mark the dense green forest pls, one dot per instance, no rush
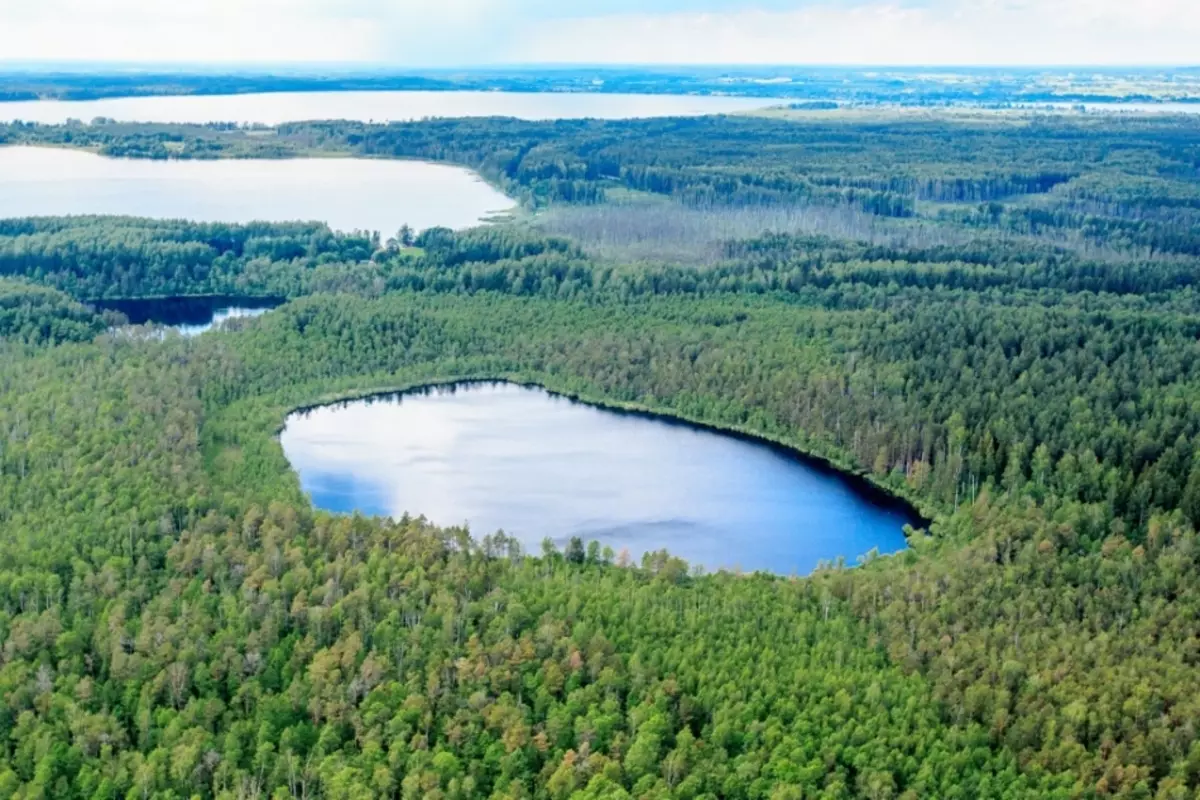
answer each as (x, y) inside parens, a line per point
(37, 314)
(94, 258)
(177, 621)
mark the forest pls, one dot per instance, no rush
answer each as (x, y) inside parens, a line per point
(998, 324)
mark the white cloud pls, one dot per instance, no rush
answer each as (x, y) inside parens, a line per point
(402, 31)
(209, 30)
(1044, 32)
(432, 32)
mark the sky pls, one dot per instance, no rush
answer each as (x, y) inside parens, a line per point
(439, 33)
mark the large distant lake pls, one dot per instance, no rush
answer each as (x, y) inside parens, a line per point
(501, 456)
(349, 194)
(274, 108)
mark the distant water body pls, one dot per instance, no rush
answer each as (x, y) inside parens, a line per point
(501, 456)
(275, 108)
(347, 193)
(191, 316)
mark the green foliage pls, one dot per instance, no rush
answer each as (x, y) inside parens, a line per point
(37, 314)
(176, 621)
(115, 257)
(277, 622)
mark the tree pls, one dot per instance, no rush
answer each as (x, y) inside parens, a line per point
(576, 554)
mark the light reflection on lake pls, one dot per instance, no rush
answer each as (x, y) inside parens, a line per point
(347, 193)
(500, 456)
(272, 108)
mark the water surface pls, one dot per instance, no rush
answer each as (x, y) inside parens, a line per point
(273, 108)
(348, 193)
(500, 456)
(191, 316)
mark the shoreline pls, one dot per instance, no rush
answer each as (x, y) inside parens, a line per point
(920, 515)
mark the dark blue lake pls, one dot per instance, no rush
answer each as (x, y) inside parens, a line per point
(191, 316)
(500, 456)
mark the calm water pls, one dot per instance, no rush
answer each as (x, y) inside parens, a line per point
(274, 108)
(499, 456)
(347, 193)
(191, 316)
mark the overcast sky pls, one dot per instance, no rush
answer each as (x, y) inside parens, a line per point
(416, 33)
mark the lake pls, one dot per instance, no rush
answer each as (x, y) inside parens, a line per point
(276, 107)
(191, 316)
(501, 456)
(348, 193)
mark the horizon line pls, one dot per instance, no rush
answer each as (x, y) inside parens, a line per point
(379, 66)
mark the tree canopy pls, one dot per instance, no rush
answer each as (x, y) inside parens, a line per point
(177, 621)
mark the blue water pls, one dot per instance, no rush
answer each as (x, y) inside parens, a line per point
(191, 316)
(276, 107)
(500, 456)
(347, 193)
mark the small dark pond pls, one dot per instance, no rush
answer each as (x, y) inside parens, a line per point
(190, 316)
(502, 456)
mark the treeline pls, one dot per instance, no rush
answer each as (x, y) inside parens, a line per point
(777, 262)
(502, 260)
(39, 315)
(887, 168)
(114, 257)
(151, 141)
(1145, 232)
(94, 258)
